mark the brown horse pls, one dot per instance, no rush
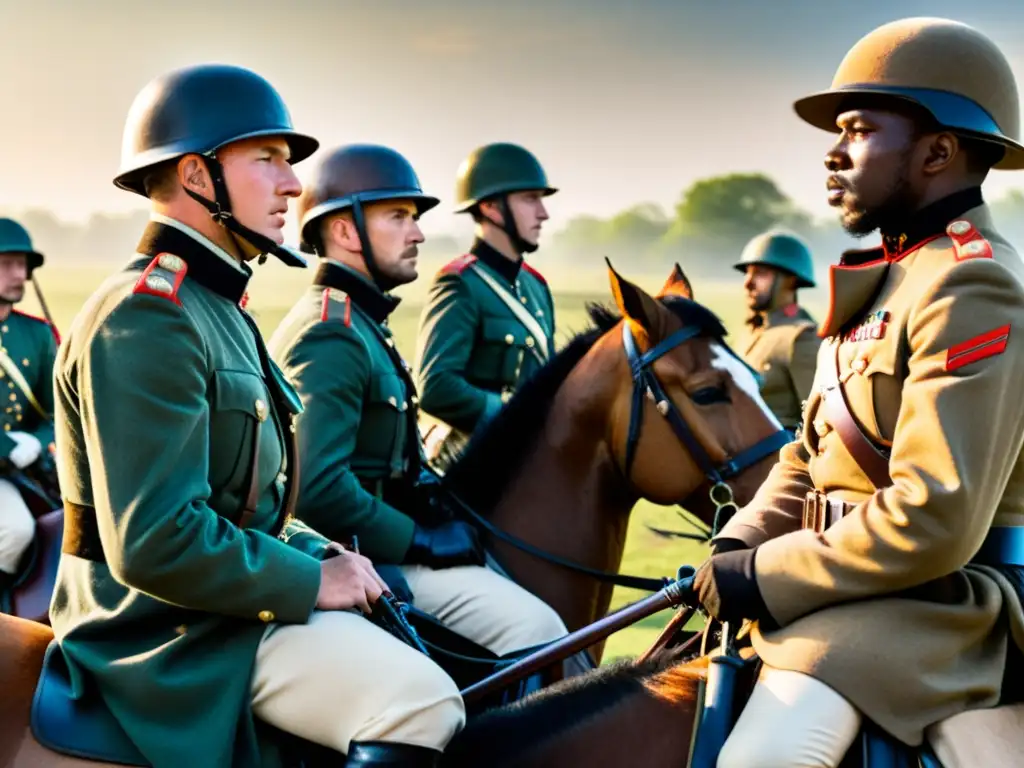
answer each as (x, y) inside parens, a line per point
(554, 468)
(563, 464)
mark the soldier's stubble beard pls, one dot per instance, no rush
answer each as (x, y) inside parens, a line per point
(891, 215)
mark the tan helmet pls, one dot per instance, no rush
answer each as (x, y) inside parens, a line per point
(950, 69)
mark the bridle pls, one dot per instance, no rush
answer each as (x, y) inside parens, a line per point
(647, 386)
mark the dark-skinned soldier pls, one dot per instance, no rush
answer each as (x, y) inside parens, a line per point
(489, 320)
(187, 596)
(882, 558)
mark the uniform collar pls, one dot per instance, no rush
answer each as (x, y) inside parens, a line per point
(208, 264)
(490, 256)
(929, 222)
(367, 296)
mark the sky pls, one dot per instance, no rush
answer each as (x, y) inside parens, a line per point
(623, 101)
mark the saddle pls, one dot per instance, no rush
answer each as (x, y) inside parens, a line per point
(85, 728)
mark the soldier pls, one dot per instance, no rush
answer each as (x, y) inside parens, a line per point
(28, 346)
(893, 597)
(187, 597)
(489, 321)
(359, 445)
(783, 340)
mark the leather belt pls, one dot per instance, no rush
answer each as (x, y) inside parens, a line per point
(1003, 545)
(82, 533)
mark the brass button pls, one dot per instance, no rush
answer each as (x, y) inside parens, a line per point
(540, 313)
(529, 341)
(393, 401)
(266, 616)
(261, 409)
(18, 417)
(766, 367)
(24, 361)
(509, 339)
(13, 397)
(4, 329)
(522, 299)
(180, 630)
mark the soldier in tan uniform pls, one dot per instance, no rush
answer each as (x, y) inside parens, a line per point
(882, 558)
(783, 342)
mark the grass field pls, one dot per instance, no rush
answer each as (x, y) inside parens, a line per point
(275, 288)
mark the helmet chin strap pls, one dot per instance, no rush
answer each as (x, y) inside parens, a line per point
(383, 282)
(220, 210)
(510, 228)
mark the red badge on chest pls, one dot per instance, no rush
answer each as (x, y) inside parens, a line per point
(871, 327)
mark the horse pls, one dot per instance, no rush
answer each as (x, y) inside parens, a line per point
(647, 403)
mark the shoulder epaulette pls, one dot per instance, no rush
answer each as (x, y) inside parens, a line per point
(459, 265)
(43, 320)
(534, 272)
(336, 305)
(968, 242)
(163, 277)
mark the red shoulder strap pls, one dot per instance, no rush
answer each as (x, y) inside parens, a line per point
(43, 320)
(459, 265)
(163, 277)
(534, 272)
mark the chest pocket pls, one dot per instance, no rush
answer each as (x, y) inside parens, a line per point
(498, 355)
(240, 406)
(873, 382)
(382, 428)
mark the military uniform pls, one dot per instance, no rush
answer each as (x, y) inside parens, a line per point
(885, 546)
(28, 346)
(474, 350)
(186, 595)
(489, 321)
(783, 350)
(359, 441)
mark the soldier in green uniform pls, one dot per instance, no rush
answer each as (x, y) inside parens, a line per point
(783, 342)
(187, 596)
(359, 443)
(28, 346)
(489, 321)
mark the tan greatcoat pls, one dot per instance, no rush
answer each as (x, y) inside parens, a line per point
(783, 350)
(941, 384)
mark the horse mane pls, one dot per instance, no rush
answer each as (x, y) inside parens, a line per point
(496, 451)
(570, 703)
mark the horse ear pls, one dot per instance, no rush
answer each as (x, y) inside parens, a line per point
(633, 302)
(677, 285)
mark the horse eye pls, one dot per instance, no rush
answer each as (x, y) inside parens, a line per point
(710, 396)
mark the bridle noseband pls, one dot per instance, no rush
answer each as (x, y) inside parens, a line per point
(646, 385)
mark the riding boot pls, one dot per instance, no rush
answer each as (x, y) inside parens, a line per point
(370, 754)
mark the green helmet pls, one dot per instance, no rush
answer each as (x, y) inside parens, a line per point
(781, 250)
(199, 110)
(497, 169)
(14, 238)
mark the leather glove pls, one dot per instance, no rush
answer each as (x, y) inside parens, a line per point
(727, 588)
(26, 451)
(450, 544)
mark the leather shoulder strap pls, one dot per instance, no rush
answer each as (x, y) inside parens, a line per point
(862, 448)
